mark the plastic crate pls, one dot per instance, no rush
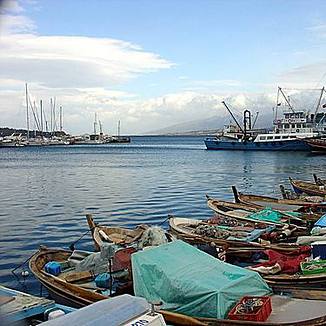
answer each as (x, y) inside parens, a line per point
(319, 249)
(261, 314)
(53, 268)
(319, 267)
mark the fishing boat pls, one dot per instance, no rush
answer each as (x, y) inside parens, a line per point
(21, 308)
(113, 234)
(318, 181)
(232, 234)
(206, 288)
(317, 145)
(74, 288)
(77, 291)
(308, 188)
(267, 215)
(289, 133)
(141, 236)
(281, 204)
(287, 273)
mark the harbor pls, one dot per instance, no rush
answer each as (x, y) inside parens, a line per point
(162, 163)
(57, 216)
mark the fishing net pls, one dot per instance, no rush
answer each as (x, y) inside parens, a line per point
(153, 236)
(98, 262)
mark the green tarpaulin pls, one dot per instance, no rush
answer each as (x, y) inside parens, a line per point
(191, 282)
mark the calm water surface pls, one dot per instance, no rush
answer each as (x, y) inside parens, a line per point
(45, 192)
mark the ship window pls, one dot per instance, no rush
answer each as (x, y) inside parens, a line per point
(262, 137)
(269, 137)
(285, 137)
(277, 137)
(299, 125)
(293, 137)
(287, 125)
(293, 125)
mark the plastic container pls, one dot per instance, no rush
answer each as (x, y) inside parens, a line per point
(53, 268)
(103, 280)
(319, 249)
(258, 315)
(313, 267)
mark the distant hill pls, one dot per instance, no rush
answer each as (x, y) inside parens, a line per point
(208, 125)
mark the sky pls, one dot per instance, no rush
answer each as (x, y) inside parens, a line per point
(152, 64)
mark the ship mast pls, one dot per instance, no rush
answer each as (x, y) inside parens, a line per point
(286, 99)
(318, 104)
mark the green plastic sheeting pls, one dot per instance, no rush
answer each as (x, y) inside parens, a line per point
(191, 282)
(269, 215)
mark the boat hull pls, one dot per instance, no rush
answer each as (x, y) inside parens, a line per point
(292, 145)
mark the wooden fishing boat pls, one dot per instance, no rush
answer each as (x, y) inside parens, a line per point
(245, 212)
(286, 311)
(280, 204)
(78, 295)
(70, 288)
(242, 236)
(308, 188)
(280, 281)
(316, 145)
(113, 234)
(318, 181)
(124, 237)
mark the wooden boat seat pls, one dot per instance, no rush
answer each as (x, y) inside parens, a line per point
(239, 213)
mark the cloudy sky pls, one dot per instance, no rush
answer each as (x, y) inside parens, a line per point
(152, 64)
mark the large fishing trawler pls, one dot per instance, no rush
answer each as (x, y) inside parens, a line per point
(287, 135)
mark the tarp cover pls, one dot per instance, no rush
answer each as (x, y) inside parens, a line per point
(191, 282)
(269, 215)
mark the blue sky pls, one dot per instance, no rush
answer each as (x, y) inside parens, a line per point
(187, 52)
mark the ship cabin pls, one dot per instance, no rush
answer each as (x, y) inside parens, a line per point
(294, 122)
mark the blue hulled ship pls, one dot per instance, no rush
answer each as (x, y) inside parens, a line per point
(288, 134)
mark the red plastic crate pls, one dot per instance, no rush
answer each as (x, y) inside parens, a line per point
(260, 315)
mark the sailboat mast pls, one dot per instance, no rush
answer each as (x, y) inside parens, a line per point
(95, 123)
(27, 113)
(119, 128)
(41, 108)
(51, 116)
(60, 118)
